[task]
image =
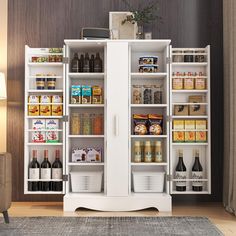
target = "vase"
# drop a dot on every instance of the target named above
(139, 34)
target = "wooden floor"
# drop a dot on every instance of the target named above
(214, 211)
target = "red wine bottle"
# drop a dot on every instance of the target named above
(75, 63)
(97, 63)
(91, 63)
(57, 173)
(180, 173)
(197, 173)
(81, 62)
(46, 173)
(34, 169)
(86, 63)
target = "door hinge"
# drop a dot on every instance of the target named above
(65, 177)
(65, 60)
(168, 60)
(169, 177)
(65, 118)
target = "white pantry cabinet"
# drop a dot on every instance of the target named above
(119, 76)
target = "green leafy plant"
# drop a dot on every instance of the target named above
(142, 15)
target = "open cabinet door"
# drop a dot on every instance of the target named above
(117, 118)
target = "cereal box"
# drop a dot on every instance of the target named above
(189, 136)
(189, 124)
(33, 110)
(38, 137)
(33, 99)
(57, 99)
(56, 110)
(178, 136)
(181, 110)
(45, 110)
(52, 124)
(75, 94)
(201, 136)
(52, 137)
(97, 95)
(178, 124)
(38, 124)
(45, 99)
(201, 124)
(86, 94)
(94, 155)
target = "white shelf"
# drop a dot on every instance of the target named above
(158, 75)
(189, 103)
(85, 105)
(44, 144)
(50, 103)
(174, 130)
(189, 91)
(45, 64)
(44, 130)
(45, 76)
(45, 91)
(187, 76)
(190, 192)
(148, 136)
(86, 164)
(45, 54)
(85, 136)
(86, 75)
(190, 180)
(149, 164)
(44, 117)
(148, 105)
(189, 144)
(189, 117)
(189, 64)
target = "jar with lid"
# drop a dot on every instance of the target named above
(188, 56)
(137, 151)
(86, 123)
(97, 124)
(147, 94)
(137, 94)
(177, 56)
(157, 152)
(199, 57)
(147, 152)
(157, 94)
(75, 123)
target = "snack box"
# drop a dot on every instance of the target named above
(94, 155)
(196, 109)
(38, 124)
(33, 99)
(86, 94)
(79, 155)
(38, 137)
(97, 95)
(33, 110)
(45, 99)
(180, 110)
(189, 124)
(189, 136)
(75, 94)
(148, 69)
(201, 124)
(178, 124)
(45, 110)
(52, 137)
(201, 136)
(148, 60)
(57, 110)
(52, 124)
(177, 84)
(57, 99)
(178, 136)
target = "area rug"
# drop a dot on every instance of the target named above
(108, 226)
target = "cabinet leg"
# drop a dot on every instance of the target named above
(6, 217)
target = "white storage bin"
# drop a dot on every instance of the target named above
(90, 181)
(146, 182)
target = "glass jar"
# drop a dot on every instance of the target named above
(86, 121)
(137, 94)
(200, 57)
(179, 57)
(98, 124)
(137, 151)
(40, 82)
(188, 57)
(75, 124)
(157, 94)
(147, 94)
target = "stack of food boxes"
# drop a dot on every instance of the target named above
(87, 154)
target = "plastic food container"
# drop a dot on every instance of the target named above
(148, 60)
(148, 69)
(177, 57)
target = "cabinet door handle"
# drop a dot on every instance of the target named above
(116, 119)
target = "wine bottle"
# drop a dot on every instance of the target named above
(86, 63)
(97, 63)
(46, 173)
(91, 63)
(75, 63)
(197, 173)
(180, 173)
(34, 168)
(57, 173)
(81, 62)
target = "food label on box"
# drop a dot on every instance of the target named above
(56, 99)
(189, 124)
(79, 155)
(178, 136)
(52, 137)
(38, 124)
(201, 136)
(93, 155)
(33, 99)
(56, 110)
(52, 124)
(45, 110)
(75, 94)
(45, 99)
(189, 136)
(201, 124)
(86, 94)
(38, 137)
(33, 110)
(178, 124)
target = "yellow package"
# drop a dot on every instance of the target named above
(189, 136)
(56, 110)
(33, 110)
(45, 110)
(201, 136)
(189, 124)
(178, 124)
(178, 136)
(201, 124)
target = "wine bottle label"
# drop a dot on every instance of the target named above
(158, 157)
(34, 173)
(137, 157)
(198, 175)
(45, 173)
(56, 173)
(180, 175)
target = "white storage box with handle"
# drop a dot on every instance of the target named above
(148, 181)
(89, 181)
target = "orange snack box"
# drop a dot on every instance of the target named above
(33, 110)
(56, 110)
(201, 136)
(189, 136)
(45, 110)
(178, 136)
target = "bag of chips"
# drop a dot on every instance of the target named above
(155, 124)
(140, 124)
